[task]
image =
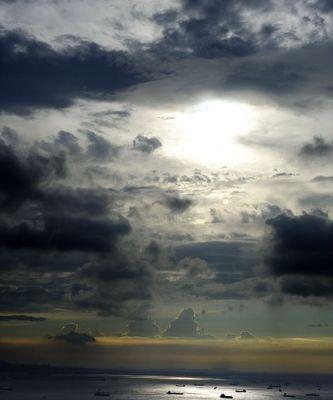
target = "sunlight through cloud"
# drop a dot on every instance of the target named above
(210, 129)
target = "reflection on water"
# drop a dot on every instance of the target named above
(151, 387)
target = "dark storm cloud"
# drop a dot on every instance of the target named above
(69, 142)
(283, 175)
(43, 261)
(64, 218)
(300, 245)
(22, 171)
(185, 325)
(30, 298)
(100, 148)
(142, 327)
(307, 286)
(267, 59)
(118, 284)
(64, 234)
(226, 270)
(195, 268)
(111, 284)
(323, 5)
(320, 147)
(245, 335)
(265, 76)
(9, 135)
(138, 189)
(282, 76)
(118, 268)
(299, 250)
(322, 178)
(128, 299)
(65, 143)
(70, 333)
(230, 261)
(211, 7)
(73, 230)
(64, 200)
(177, 204)
(153, 250)
(261, 212)
(74, 337)
(78, 288)
(55, 228)
(27, 318)
(29, 174)
(241, 288)
(146, 144)
(209, 29)
(36, 75)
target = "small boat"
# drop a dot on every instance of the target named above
(7, 389)
(288, 395)
(100, 392)
(312, 395)
(177, 393)
(270, 387)
(224, 396)
(240, 391)
(180, 385)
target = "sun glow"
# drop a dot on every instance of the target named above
(209, 131)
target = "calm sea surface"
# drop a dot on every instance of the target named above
(147, 387)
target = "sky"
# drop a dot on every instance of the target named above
(166, 183)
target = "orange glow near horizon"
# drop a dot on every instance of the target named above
(278, 355)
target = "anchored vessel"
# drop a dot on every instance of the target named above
(7, 389)
(100, 392)
(178, 393)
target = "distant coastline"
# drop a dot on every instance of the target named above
(38, 371)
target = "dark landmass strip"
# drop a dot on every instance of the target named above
(21, 317)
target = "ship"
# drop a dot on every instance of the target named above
(102, 393)
(177, 393)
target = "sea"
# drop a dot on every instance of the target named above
(157, 387)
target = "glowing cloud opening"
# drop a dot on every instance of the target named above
(209, 130)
